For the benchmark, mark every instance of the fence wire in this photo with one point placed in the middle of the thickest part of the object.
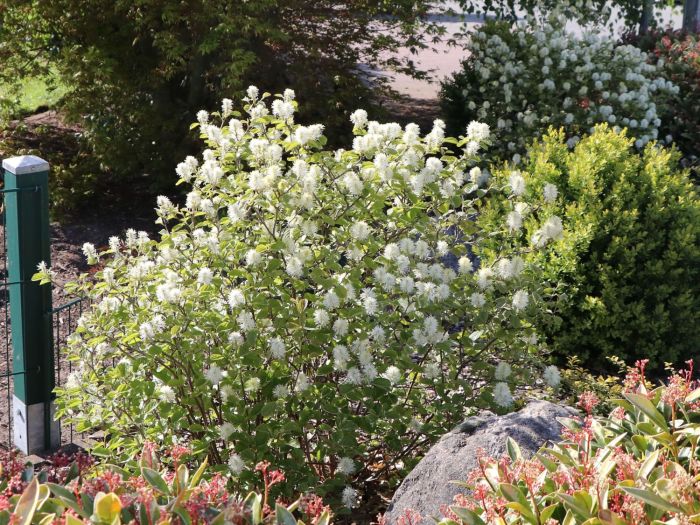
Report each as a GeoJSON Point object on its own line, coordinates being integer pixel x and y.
{"type": "Point", "coordinates": [6, 389]}
{"type": "Point", "coordinates": [64, 322]}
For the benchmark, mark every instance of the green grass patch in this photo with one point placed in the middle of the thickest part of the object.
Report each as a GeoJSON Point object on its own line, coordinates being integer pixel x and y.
{"type": "Point", "coordinates": [32, 94]}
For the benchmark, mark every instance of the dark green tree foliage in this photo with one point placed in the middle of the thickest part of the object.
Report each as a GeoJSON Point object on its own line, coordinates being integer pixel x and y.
{"type": "Point", "coordinates": [140, 70]}
{"type": "Point", "coordinates": [628, 266]}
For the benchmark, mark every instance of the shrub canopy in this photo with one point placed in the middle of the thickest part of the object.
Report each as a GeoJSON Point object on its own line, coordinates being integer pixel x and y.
{"type": "Point", "coordinates": [628, 266]}
{"type": "Point", "coordinates": [318, 309]}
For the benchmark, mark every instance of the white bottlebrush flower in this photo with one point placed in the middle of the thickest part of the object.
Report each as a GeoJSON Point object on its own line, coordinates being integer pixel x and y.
{"type": "Point", "coordinates": [341, 357]}
{"type": "Point", "coordinates": [235, 464]}
{"type": "Point", "coordinates": [253, 258]}
{"type": "Point", "coordinates": [205, 276]}
{"type": "Point", "coordinates": [277, 348]}
{"type": "Point", "coordinates": [214, 374]}
{"type": "Point", "coordinates": [340, 327]}
{"type": "Point", "coordinates": [359, 118]}
{"type": "Point", "coordinates": [166, 393]}
{"type": "Point", "coordinates": [246, 321]}
{"type": "Point", "coordinates": [501, 395]}
{"type": "Point", "coordinates": [225, 430]}
{"type": "Point", "coordinates": [280, 391]}
{"type": "Point", "coordinates": [90, 253]}
{"type": "Point", "coordinates": [520, 300]}
{"type": "Point", "coordinates": [550, 193]}
{"type": "Point", "coordinates": [514, 221]}
{"type": "Point", "coordinates": [302, 382]}
{"type": "Point", "coordinates": [236, 298]}
{"type": "Point", "coordinates": [354, 376]}
{"type": "Point", "coordinates": [393, 374]}
{"type": "Point", "coordinates": [478, 131]}
{"type": "Point", "coordinates": [552, 376]}
{"type": "Point", "coordinates": [346, 466]}
{"type": "Point", "coordinates": [294, 267]}
{"type": "Point", "coordinates": [360, 231]}
{"type": "Point", "coordinates": [252, 385]}
{"type": "Point", "coordinates": [331, 301]}
{"type": "Point", "coordinates": [321, 317]}
{"type": "Point", "coordinates": [252, 93]}
{"type": "Point", "coordinates": [483, 278]}
{"type": "Point", "coordinates": [349, 497]}
{"type": "Point", "coordinates": [465, 265]}
{"type": "Point", "coordinates": [503, 371]}
{"type": "Point", "coordinates": [146, 331]}
{"type": "Point", "coordinates": [236, 339]}
{"type": "Point", "coordinates": [517, 183]}
{"type": "Point", "coordinates": [477, 299]}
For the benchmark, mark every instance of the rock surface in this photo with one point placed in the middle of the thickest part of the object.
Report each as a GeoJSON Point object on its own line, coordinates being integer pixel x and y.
{"type": "Point", "coordinates": [428, 485]}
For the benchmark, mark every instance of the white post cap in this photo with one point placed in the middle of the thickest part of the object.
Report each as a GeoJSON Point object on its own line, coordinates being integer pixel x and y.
{"type": "Point", "coordinates": [25, 164]}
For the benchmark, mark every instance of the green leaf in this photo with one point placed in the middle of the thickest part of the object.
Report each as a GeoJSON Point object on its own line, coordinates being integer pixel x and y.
{"type": "Point", "coordinates": [283, 516]}
{"type": "Point", "coordinates": [198, 474]}
{"type": "Point", "coordinates": [26, 506]}
{"type": "Point", "coordinates": [513, 449]}
{"type": "Point", "coordinates": [648, 409]}
{"type": "Point", "coordinates": [648, 464]}
{"type": "Point", "coordinates": [469, 517]}
{"type": "Point", "coordinates": [183, 515]}
{"type": "Point", "coordinates": [652, 499]}
{"type": "Point", "coordinates": [154, 480]}
{"type": "Point", "coordinates": [577, 504]}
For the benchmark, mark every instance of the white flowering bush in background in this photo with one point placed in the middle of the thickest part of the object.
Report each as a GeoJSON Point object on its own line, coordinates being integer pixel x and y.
{"type": "Point", "coordinates": [318, 309]}
{"type": "Point", "coordinates": [523, 78]}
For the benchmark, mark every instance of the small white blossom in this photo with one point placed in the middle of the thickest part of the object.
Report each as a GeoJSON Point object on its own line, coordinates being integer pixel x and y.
{"type": "Point", "coordinates": [552, 376]}
{"type": "Point", "coordinates": [501, 395]}
{"type": "Point", "coordinates": [520, 300]}
{"type": "Point", "coordinates": [280, 391]}
{"type": "Point", "coordinates": [393, 374]}
{"type": "Point", "coordinates": [214, 374]}
{"type": "Point", "coordinates": [277, 348]}
{"type": "Point", "coordinates": [503, 371]}
{"type": "Point", "coordinates": [550, 193]}
{"type": "Point", "coordinates": [349, 497]}
{"type": "Point", "coordinates": [346, 466]}
{"type": "Point", "coordinates": [235, 464]}
{"type": "Point", "coordinates": [205, 276]}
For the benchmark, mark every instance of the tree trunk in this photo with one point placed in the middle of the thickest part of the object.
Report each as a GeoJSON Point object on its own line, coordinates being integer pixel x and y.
{"type": "Point", "coordinates": [647, 16]}
{"type": "Point", "coordinates": [691, 16]}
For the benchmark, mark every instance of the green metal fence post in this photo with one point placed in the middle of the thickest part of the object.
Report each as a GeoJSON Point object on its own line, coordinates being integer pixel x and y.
{"type": "Point", "coordinates": [27, 235]}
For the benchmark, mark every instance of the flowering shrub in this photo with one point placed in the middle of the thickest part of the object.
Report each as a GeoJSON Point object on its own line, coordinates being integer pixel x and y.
{"type": "Point", "coordinates": [146, 493]}
{"type": "Point", "coordinates": [677, 55]}
{"type": "Point", "coordinates": [319, 309]}
{"type": "Point", "coordinates": [639, 465]}
{"type": "Point", "coordinates": [628, 265]}
{"type": "Point", "coordinates": [523, 78]}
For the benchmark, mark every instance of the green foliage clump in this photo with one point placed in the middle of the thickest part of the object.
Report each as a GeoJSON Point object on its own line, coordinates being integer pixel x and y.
{"type": "Point", "coordinates": [628, 266]}
{"type": "Point", "coordinates": [138, 72]}
{"type": "Point", "coordinates": [639, 465]}
{"type": "Point", "coordinates": [523, 77]}
{"type": "Point", "coordinates": [319, 309]}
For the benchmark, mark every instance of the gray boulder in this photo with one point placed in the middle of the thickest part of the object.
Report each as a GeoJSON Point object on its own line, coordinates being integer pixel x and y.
{"type": "Point", "coordinates": [452, 458]}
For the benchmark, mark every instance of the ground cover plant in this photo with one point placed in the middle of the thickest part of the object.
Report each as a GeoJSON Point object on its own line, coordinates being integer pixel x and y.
{"type": "Point", "coordinates": [637, 465]}
{"type": "Point", "coordinates": [521, 78]}
{"type": "Point", "coordinates": [628, 266]}
{"type": "Point", "coordinates": [74, 491]}
{"type": "Point", "coordinates": [318, 309]}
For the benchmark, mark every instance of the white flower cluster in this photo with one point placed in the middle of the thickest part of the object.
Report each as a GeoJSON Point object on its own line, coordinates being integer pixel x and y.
{"type": "Point", "coordinates": [521, 79]}
{"type": "Point", "coordinates": [295, 277]}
